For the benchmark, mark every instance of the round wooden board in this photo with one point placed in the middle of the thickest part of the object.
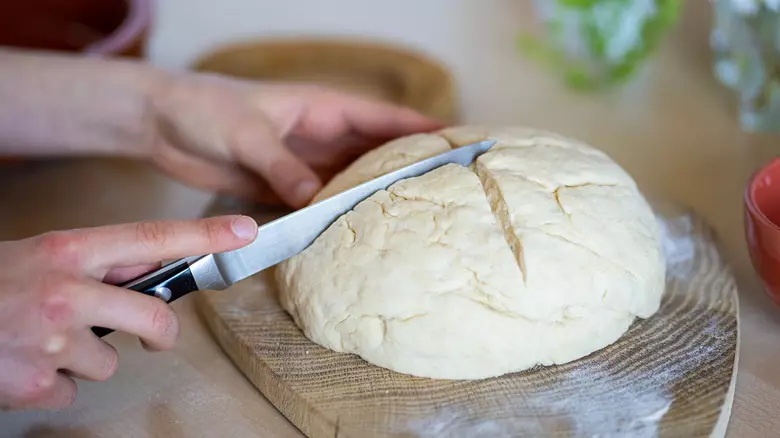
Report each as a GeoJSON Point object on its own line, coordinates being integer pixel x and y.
{"type": "Point", "coordinates": [380, 70]}
{"type": "Point", "coordinates": [671, 375]}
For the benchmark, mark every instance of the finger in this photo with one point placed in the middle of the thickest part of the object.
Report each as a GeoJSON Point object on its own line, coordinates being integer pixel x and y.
{"type": "Point", "coordinates": [149, 318]}
{"type": "Point", "coordinates": [153, 241]}
{"type": "Point", "coordinates": [333, 114]}
{"type": "Point", "coordinates": [124, 274]}
{"type": "Point", "coordinates": [89, 357]}
{"type": "Point", "coordinates": [260, 149]}
{"type": "Point", "coordinates": [61, 395]}
{"type": "Point", "coordinates": [58, 391]}
{"type": "Point", "coordinates": [383, 120]}
{"type": "Point", "coordinates": [337, 152]}
{"type": "Point", "coordinates": [216, 177]}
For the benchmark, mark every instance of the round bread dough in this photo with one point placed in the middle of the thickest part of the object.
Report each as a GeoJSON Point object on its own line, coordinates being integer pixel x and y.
{"type": "Point", "coordinates": [540, 253]}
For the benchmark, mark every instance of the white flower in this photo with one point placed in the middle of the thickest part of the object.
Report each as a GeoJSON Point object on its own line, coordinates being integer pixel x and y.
{"type": "Point", "coordinates": [747, 7]}
{"type": "Point", "coordinates": [751, 7]}
{"type": "Point", "coordinates": [774, 5]}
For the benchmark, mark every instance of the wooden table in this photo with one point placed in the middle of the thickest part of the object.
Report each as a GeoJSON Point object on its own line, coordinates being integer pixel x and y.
{"type": "Point", "coordinates": [673, 128]}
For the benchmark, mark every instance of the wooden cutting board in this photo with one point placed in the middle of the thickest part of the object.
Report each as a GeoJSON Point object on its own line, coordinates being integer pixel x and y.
{"type": "Point", "coordinates": [671, 375]}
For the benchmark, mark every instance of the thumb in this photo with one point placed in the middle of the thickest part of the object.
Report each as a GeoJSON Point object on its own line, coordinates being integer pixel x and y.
{"type": "Point", "coordinates": [154, 241]}
{"type": "Point", "coordinates": [257, 147]}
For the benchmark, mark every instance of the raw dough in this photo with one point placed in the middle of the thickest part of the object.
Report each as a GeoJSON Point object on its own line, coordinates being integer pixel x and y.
{"type": "Point", "coordinates": [541, 253]}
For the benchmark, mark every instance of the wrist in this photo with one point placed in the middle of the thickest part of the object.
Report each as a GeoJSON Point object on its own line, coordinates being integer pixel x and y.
{"type": "Point", "coordinates": [53, 104]}
{"type": "Point", "coordinates": [137, 136]}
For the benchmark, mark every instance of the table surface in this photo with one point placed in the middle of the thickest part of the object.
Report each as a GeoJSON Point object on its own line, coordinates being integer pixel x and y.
{"type": "Point", "coordinates": [673, 128]}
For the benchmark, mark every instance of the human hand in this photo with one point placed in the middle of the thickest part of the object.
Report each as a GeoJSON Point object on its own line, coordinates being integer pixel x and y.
{"type": "Point", "coordinates": [268, 142]}
{"type": "Point", "coordinates": [56, 286]}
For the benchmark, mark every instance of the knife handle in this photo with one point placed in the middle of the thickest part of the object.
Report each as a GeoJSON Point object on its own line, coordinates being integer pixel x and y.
{"type": "Point", "coordinates": [169, 283]}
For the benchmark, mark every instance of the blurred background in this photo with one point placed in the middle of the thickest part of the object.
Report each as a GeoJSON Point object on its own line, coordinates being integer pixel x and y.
{"type": "Point", "coordinates": [474, 54]}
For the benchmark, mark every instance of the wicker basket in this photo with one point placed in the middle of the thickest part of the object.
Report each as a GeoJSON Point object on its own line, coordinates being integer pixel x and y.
{"type": "Point", "coordinates": [380, 70]}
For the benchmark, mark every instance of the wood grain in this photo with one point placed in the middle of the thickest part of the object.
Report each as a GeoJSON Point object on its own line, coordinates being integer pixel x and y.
{"type": "Point", "coordinates": [382, 71]}
{"type": "Point", "coordinates": [670, 375]}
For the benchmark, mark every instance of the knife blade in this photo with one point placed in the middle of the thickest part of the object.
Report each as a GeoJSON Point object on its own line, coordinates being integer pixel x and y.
{"type": "Point", "coordinates": [282, 238]}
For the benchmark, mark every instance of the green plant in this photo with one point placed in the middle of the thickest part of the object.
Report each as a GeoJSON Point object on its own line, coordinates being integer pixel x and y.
{"type": "Point", "coordinates": [746, 43]}
{"type": "Point", "coordinates": [597, 59]}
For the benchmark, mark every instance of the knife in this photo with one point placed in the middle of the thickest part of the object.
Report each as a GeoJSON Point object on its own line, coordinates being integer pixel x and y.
{"type": "Point", "coordinates": [280, 239]}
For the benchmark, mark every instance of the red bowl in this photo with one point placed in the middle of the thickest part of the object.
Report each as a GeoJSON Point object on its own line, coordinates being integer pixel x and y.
{"type": "Point", "coordinates": [106, 27]}
{"type": "Point", "coordinates": [762, 226]}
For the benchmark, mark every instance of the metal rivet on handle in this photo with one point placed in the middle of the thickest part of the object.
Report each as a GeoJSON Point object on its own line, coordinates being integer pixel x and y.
{"type": "Point", "coordinates": [162, 293]}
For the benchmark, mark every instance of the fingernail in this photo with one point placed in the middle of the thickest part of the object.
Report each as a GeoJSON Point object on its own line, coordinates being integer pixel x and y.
{"type": "Point", "coordinates": [306, 190]}
{"type": "Point", "coordinates": [244, 227]}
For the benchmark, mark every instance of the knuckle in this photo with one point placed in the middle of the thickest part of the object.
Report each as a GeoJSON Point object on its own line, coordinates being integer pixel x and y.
{"type": "Point", "coordinates": [245, 139]}
{"type": "Point", "coordinates": [70, 396]}
{"type": "Point", "coordinates": [287, 173]}
{"type": "Point", "coordinates": [30, 396]}
{"type": "Point", "coordinates": [164, 323]}
{"type": "Point", "coordinates": [35, 389]}
{"type": "Point", "coordinates": [62, 397]}
{"type": "Point", "coordinates": [213, 232]}
{"type": "Point", "coordinates": [61, 246]}
{"type": "Point", "coordinates": [110, 364]}
{"type": "Point", "coordinates": [154, 234]}
{"type": "Point", "coordinates": [55, 304]}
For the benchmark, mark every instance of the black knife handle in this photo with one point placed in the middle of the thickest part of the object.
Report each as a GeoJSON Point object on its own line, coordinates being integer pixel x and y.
{"type": "Point", "coordinates": [168, 284]}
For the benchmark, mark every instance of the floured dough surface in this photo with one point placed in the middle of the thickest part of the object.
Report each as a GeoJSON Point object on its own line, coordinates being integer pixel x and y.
{"type": "Point", "coordinates": [541, 253]}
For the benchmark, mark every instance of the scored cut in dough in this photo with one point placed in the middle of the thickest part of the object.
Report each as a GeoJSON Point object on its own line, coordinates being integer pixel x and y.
{"type": "Point", "coordinates": [540, 253]}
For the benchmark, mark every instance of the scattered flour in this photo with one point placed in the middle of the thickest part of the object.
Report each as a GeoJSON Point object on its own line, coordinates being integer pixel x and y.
{"type": "Point", "coordinates": [583, 403]}
{"type": "Point", "coordinates": [678, 245]}
{"type": "Point", "coordinates": [588, 400]}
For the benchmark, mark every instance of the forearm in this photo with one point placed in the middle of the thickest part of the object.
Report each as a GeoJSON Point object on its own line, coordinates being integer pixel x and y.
{"type": "Point", "coordinates": [52, 104]}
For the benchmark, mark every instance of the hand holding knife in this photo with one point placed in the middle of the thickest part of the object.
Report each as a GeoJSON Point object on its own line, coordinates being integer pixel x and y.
{"type": "Point", "coordinates": [282, 238]}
